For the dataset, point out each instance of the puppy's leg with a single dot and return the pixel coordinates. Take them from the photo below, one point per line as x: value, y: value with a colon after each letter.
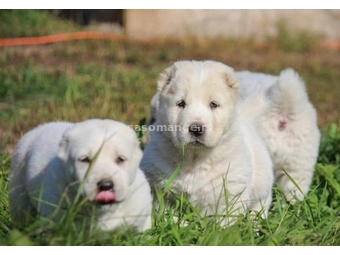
x: 294, y: 182
x: 228, y: 214
x: 146, y: 226
x: 260, y: 206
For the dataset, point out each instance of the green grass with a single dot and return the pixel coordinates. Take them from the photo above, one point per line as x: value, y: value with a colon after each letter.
x: 21, y: 23
x: 77, y: 80
x: 299, y: 41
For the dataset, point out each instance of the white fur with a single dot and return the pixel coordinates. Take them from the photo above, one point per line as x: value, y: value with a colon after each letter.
x: 267, y: 99
x: 46, y: 166
x: 294, y: 148
x: 230, y: 156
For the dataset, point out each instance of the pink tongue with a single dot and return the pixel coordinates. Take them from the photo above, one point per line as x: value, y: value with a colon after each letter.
x: 105, y: 196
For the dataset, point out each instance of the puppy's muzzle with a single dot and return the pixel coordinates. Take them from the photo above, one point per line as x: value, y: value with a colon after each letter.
x: 196, y: 129
x: 106, y: 193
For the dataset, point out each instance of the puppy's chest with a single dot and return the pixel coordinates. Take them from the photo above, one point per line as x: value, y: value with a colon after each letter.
x: 197, y: 182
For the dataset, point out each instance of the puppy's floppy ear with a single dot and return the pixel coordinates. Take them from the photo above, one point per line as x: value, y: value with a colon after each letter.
x: 232, y: 82
x: 136, y: 158
x: 165, y: 78
x: 63, y: 145
x: 231, y: 78
x: 137, y: 155
x: 62, y: 153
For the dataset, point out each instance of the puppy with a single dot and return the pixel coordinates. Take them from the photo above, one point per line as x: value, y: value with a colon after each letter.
x: 95, y: 159
x: 224, y: 165
x: 288, y: 125
x: 280, y: 108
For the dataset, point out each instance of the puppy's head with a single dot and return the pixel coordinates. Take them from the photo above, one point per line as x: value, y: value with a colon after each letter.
x: 102, y: 158
x: 198, y: 100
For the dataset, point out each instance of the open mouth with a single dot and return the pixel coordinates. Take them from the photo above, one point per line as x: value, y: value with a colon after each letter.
x: 105, y: 197
x: 196, y: 143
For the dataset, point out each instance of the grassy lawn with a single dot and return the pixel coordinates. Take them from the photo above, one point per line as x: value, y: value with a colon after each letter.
x: 77, y: 80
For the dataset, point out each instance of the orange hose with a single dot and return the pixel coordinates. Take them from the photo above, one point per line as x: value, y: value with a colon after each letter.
x: 87, y: 35
x: 330, y: 44
x: 59, y: 38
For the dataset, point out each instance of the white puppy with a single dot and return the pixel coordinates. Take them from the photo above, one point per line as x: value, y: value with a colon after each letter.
x: 97, y: 158
x: 287, y: 121
x: 225, y: 168
x: 288, y: 125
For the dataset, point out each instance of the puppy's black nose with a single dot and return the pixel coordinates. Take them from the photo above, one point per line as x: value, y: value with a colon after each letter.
x: 105, y: 185
x: 196, y: 129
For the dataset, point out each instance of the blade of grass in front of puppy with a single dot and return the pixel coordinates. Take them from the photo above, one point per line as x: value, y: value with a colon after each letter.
x: 76, y: 201
x: 304, y: 198
x: 293, y: 181
x: 172, y: 178
x: 175, y: 173
x: 87, y: 173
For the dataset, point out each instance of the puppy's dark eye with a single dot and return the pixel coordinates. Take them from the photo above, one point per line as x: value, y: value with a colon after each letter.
x: 214, y: 105
x: 181, y: 104
x: 85, y: 159
x: 120, y: 160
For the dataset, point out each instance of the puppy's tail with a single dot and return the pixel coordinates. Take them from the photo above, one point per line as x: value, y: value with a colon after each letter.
x: 288, y: 95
